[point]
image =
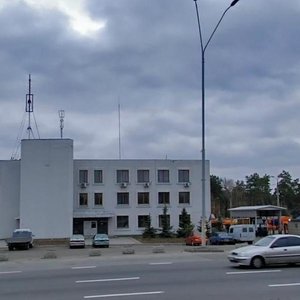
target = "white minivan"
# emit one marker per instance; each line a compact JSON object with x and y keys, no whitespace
{"x":243,"y":233}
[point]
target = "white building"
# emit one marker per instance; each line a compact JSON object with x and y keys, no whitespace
{"x":54,"y":195}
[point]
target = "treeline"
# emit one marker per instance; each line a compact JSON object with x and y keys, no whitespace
{"x":255,"y":190}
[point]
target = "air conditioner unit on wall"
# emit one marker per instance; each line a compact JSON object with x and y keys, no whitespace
{"x":187,"y":184}
{"x":83,"y":185}
{"x":123,"y":185}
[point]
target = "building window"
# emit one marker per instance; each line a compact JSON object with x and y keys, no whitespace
{"x":161,"y":220}
{"x":142,"y":176}
{"x":122,"y":222}
{"x":123,"y":199}
{"x":83,"y":199}
{"x":143,"y":220}
{"x":183,"y":176}
{"x":98,"y":199}
{"x":163,"y":176}
{"x":83,"y":176}
{"x":163,"y":198}
{"x":184,"y":197}
{"x":143,"y":198}
{"x":122,"y":176}
{"x":98,"y":176}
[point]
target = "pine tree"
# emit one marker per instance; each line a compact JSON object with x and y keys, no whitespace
{"x":149,"y":232}
{"x":166,"y":230}
{"x":185,"y":226}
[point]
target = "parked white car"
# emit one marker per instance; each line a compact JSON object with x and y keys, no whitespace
{"x":270,"y":250}
{"x":77,"y":241}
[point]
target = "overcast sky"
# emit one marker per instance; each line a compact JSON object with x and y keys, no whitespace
{"x":86,"y":56}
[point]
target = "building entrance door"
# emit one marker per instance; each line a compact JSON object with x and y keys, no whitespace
{"x":103,"y":226}
{"x":90,"y":228}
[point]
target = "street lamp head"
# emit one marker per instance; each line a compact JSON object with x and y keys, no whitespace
{"x":234,"y":2}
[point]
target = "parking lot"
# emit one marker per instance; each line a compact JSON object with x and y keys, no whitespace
{"x":119,"y":246}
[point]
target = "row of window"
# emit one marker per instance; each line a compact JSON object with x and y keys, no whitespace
{"x":142,"y":176}
{"x":143,"y":198}
{"x":123,"y":221}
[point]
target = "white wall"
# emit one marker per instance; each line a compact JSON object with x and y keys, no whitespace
{"x":110,"y":188}
{"x":9,"y":196}
{"x":46,"y":193}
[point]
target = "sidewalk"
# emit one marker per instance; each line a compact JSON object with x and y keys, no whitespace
{"x":3,"y":244}
{"x":112,"y":240}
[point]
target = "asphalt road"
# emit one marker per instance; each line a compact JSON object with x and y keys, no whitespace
{"x":165,"y":276}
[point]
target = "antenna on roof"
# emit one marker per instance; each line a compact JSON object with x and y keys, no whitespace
{"x":119,"y":117}
{"x":29,"y":110}
{"x":29,"y":107}
{"x":61,"y":114}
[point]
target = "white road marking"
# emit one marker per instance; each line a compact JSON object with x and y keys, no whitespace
{"x":84,"y":267}
{"x":285,"y":284}
{"x":124,"y":295}
{"x":161,"y":263}
{"x":10,"y":272}
{"x":106,"y":280}
{"x":252,"y":272}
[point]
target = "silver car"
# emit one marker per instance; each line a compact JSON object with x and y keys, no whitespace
{"x":270,"y":250}
{"x":101,"y":240}
{"x":77,"y":241}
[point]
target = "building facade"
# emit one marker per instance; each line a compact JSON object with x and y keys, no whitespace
{"x":55,"y":195}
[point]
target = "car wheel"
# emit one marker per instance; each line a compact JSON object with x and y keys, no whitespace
{"x":257,"y":262}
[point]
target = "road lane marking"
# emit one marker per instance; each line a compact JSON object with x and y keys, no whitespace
{"x":10,"y":272}
{"x":124,"y":295}
{"x":252,"y":272}
{"x":83,"y":267}
{"x":284,"y":284}
{"x":161,"y":263}
{"x":107,"y":280}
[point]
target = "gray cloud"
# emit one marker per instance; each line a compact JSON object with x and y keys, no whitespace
{"x":148,"y":58}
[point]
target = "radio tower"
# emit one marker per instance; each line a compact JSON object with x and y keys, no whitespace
{"x":29,"y":107}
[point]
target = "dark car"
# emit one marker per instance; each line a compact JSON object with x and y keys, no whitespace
{"x":221,"y":238}
{"x":21,"y":239}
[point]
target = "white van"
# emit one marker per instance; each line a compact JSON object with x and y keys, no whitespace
{"x":243,"y":233}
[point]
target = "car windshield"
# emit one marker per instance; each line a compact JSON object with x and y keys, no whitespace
{"x":222,"y":234}
{"x":21,"y":234}
{"x":101,"y":236}
{"x":266,"y":241}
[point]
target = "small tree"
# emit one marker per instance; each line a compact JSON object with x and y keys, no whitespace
{"x":149,"y":232}
{"x":166,"y":230}
{"x":185,"y":226}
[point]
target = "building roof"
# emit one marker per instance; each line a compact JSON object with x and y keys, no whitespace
{"x":257,"y":208}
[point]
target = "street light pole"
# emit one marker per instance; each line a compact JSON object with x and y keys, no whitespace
{"x":278,"y":204}
{"x":278,"y":201}
{"x":203,"y":49}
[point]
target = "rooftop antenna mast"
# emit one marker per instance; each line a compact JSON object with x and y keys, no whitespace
{"x":119,"y":117}
{"x":29,"y":107}
{"x":61,"y":114}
